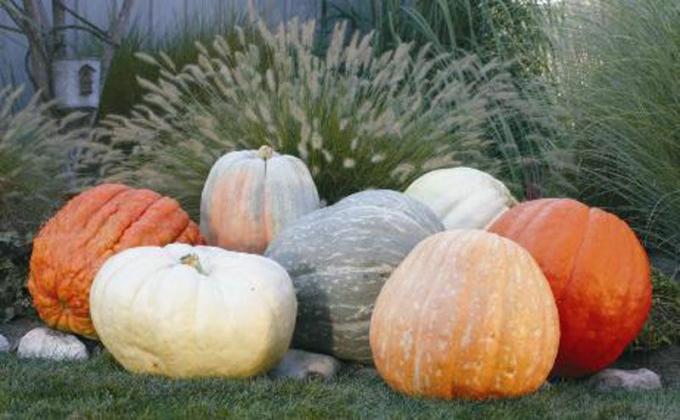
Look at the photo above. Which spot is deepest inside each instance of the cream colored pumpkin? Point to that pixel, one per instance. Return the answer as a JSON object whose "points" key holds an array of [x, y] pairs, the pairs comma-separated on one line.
{"points": [[462, 198], [185, 311], [250, 196]]}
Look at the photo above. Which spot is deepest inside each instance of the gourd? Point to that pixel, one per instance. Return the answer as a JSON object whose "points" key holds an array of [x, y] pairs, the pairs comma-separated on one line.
{"points": [[339, 257], [90, 228], [462, 198], [467, 314], [183, 311], [250, 196], [599, 274]]}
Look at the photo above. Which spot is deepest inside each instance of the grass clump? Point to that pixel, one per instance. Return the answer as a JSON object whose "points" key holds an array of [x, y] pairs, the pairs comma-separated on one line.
{"points": [[357, 118], [34, 179], [617, 65]]}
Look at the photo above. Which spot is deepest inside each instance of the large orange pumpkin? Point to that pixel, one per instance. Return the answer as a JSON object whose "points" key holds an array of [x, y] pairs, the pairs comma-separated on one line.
{"points": [[70, 248], [466, 314], [599, 274]]}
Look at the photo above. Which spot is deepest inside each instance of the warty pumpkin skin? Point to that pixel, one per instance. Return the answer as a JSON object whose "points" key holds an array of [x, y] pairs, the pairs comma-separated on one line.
{"points": [[184, 311], [462, 198], [91, 227], [339, 257], [468, 314], [250, 196], [598, 272]]}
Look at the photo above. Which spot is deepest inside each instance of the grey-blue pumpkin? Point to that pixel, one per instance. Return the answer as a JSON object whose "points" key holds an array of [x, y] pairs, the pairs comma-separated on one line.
{"points": [[339, 257]]}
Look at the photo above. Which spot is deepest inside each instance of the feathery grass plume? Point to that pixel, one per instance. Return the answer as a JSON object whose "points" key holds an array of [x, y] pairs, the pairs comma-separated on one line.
{"points": [[617, 64], [356, 118], [34, 179]]}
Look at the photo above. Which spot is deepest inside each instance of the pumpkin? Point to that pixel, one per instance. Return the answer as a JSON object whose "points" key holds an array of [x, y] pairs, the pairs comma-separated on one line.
{"points": [[467, 314], [183, 311], [339, 257], [599, 274], [250, 196], [91, 227], [462, 198]]}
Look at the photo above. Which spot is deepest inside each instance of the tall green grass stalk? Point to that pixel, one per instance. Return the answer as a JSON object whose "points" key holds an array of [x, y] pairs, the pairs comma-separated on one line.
{"points": [[358, 119], [617, 64]]}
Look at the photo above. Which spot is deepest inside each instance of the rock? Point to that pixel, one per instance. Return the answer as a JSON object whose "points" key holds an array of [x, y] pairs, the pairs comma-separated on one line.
{"points": [[4, 344], [17, 328], [45, 343], [298, 364], [665, 360], [628, 380]]}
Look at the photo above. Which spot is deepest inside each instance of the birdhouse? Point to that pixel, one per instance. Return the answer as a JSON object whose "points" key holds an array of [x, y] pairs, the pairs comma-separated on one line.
{"points": [[76, 83]]}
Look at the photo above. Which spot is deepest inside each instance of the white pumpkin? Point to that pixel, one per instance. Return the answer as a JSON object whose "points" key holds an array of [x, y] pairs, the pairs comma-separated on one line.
{"points": [[184, 311], [250, 196], [462, 198]]}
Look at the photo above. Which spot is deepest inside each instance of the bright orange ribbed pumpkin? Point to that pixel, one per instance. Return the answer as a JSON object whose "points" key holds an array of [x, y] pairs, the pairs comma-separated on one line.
{"points": [[466, 314], [599, 274], [70, 248]]}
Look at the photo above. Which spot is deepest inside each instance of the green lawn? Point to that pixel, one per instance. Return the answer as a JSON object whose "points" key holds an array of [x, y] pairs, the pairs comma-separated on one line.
{"points": [[100, 388]]}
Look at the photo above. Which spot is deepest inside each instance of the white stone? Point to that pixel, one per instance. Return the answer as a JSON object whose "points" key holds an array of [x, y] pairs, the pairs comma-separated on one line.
{"points": [[628, 380], [298, 364], [44, 343], [4, 344]]}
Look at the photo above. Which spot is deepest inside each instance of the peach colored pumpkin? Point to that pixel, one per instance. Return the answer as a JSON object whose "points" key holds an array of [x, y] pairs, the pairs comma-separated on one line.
{"points": [[250, 196], [467, 314], [599, 274], [96, 224]]}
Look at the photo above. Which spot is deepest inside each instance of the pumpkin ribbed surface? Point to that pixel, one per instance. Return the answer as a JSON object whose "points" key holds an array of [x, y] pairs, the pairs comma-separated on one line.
{"points": [[467, 314], [98, 223], [599, 274], [185, 312], [339, 258], [250, 196]]}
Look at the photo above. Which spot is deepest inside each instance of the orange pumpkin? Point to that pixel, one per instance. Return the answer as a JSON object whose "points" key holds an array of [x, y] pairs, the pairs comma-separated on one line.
{"points": [[599, 274], [466, 314], [70, 248]]}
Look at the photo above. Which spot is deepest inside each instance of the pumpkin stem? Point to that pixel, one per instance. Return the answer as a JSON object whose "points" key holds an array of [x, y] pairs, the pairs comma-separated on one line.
{"points": [[192, 261], [265, 152]]}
